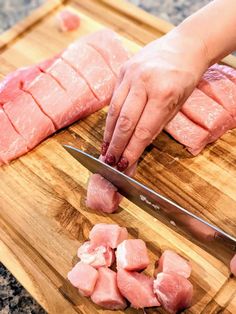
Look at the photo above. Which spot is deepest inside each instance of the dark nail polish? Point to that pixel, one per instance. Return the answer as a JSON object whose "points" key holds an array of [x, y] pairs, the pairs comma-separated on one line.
{"points": [[122, 164], [110, 160], [104, 148]]}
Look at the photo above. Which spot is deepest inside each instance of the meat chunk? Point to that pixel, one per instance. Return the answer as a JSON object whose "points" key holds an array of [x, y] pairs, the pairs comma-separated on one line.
{"points": [[96, 257], [68, 21], [217, 86], [173, 291], [137, 288], [208, 114], [83, 277], [12, 145], [171, 262], [28, 119], [188, 133], [132, 255], [233, 265], [106, 292], [227, 71], [91, 66], [108, 44], [107, 235]]}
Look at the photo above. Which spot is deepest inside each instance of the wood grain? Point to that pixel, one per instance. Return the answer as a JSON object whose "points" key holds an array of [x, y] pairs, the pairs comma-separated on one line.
{"points": [[43, 217]]}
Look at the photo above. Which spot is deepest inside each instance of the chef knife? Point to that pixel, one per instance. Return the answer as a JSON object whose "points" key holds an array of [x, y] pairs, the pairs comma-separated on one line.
{"points": [[210, 237]]}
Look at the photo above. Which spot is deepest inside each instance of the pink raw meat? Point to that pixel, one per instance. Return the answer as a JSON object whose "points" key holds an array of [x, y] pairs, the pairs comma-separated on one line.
{"points": [[77, 89], [28, 119], [12, 145], [107, 235], [233, 265], [188, 133], [83, 277], [172, 262], [68, 21], [96, 257], [53, 100], [227, 71], [173, 291], [132, 255], [106, 292], [207, 113], [137, 288], [90, 65], [217, 86], [109, 45], [44, 65]]}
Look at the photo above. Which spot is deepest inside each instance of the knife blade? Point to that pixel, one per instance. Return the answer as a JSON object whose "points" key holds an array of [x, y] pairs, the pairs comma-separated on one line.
{"points": [[206, 235]]}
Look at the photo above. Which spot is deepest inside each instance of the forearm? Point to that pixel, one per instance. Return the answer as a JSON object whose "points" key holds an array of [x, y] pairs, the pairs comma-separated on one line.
{"points": [[215, 26]]}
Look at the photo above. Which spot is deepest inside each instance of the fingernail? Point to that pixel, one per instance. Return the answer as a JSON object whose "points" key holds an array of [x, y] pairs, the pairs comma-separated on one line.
{"points": [[122, 164], [104, 148], [110, 160]]}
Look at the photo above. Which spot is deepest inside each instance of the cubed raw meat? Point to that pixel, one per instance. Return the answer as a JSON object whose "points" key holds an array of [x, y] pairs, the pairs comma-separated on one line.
{"points": [[174, 292], [83, 277], [108, 44], [188, 133], [233, 265], [96, 257], [132, 255], [27, 118], [137, 288], [12, 145], [68, 21], [172, 262], [227, 71], [106, 292], [107, 235], [91, 66]]}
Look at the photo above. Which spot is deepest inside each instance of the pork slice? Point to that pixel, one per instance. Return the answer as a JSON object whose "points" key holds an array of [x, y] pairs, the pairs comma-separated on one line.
{"points": [[172, 262], [174, 292], [68, 21], [12, 144], [109, 45], [77, 89], [137, 288], [207, 113], [96, 257], [29, 121], [53, 100], [83, 277], [233, 265], [188, 133], [217, 86], [106, 292], [132, 255], [91, 66], [227, 71], [106, 235]]}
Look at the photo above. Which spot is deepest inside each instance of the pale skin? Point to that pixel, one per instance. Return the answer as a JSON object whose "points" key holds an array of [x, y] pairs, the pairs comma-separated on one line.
{"points": [[154, 84]]}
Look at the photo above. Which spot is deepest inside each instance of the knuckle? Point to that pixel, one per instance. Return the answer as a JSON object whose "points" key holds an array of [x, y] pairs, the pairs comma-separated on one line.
{"points": [[114, 109], [125, 123], [143, 134]]}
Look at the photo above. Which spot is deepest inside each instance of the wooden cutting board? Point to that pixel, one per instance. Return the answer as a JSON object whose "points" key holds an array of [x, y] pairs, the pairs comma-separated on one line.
{"points": [[43, 218]]}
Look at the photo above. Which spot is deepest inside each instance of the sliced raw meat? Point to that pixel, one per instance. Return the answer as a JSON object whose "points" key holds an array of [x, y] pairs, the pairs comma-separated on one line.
{"points": [[53, 100], [102, 195], [90, 65], [172, 262], [173, 291], [233, 265], [107, 235], [207, 113], [83, 277], [132, 255], [12, 145], [96, 257], [106, 292], [28, 119], [227, 71], [77, 89], [68, 21], [217, 86], [188, 133], [44, 65], [137, 288], [108, 44]]}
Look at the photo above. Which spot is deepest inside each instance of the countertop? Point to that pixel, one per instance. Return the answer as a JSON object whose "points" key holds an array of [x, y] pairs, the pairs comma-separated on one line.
{"points": [[13, 297]]}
